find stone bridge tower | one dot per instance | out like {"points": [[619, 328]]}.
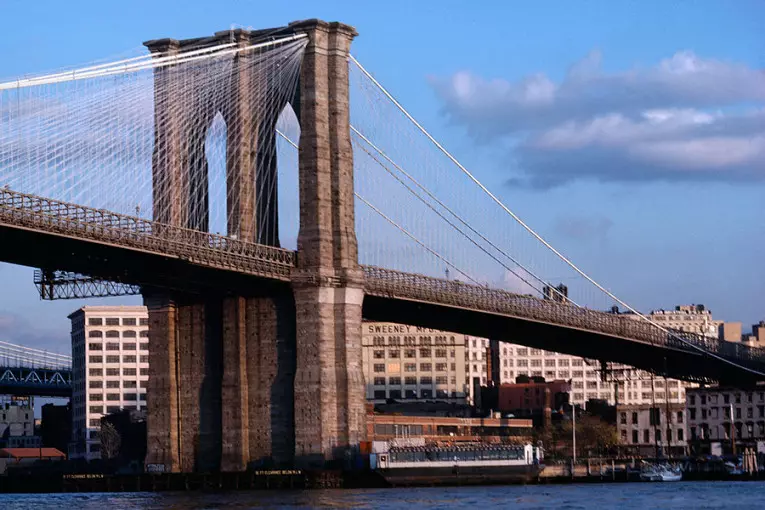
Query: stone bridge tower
{"points": [[274, 375]]}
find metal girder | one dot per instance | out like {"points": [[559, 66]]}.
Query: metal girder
{"points": [[66, 285]]}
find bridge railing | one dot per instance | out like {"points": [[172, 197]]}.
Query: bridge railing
{"points": [[104, 226], [391, 283]]}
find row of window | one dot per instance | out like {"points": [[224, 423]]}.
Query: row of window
{"points": [[98, 397], [716, 412], [412, 340], [396, 381], [116, 384], [704, 431], [99, 409], [413, 394], [726, 398], [680, 434], [425, 352], [114, 346], [412, 367], [127, 358], [115, 321], [654, 418], [113, 333], [95, 372]]}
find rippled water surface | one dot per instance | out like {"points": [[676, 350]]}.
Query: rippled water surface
{"points": [[675, 496]]}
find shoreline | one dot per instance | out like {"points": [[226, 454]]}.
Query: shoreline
{"points": [[291, 480]]}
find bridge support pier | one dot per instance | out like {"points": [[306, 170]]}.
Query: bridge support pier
{"points": [[327, 284]]}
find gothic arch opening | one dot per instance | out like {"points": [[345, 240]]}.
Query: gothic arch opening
{"points": [[287, 170], [216, 152]]}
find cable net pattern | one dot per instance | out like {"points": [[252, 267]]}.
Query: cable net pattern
{"points": [[187, 139]]}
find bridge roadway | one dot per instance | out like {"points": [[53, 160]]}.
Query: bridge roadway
{"points": [[42, 232]]}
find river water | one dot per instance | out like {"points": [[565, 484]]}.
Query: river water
{"points": [[674, 496]]}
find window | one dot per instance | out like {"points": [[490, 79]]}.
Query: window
{"points": [[112, 371], [95, 384], [440, 367], [143, 384], [95, 397], [95, 359], [624, 436], [692, 412], [94, 422], [130, 396], [592, 384], [112, 384], [440, 353], [410, 353], [726, 399], [112, 321], [536, 363], [112, 397], [563, 374], [657, 433], [410, 367], [535, 352], [562, 362], [523, 362], [112, 359], [95, 334], [426, 379], [634, 437], [144, 358], [379, 367], [577, 374], [680, 416], [738, 412], [577, 362], [95, 347], [680, 435], [523, 352], [634, 418], [143, 321], [549, 362], [128, 321], [441, 379], [426, 367], [738, 398], [112, 334], [692, 400], [96, 409], [95, 321], [379, 394], [646, 436], [379, 354], [623, 418], [394, 353], [112, 346], [128, 371], [144, 346], [379, 381], [410, 380], [96, 371], [424, 352], [144, 371], [144, 334], [395, 381], [750, 412]]}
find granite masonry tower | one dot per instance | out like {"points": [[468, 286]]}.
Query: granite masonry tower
{"points": [[263, 376]]}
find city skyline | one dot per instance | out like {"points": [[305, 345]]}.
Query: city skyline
{"points": [[670, 230]]}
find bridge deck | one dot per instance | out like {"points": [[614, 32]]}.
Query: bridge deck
{"points": [[51, 218]]}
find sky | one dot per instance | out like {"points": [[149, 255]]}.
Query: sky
{"points": [[630, 134]]}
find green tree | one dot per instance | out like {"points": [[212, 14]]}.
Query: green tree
{"points": [[593, 435]]}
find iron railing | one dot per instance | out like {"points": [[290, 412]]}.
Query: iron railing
{"points": [[203, 248], [401, 285]]}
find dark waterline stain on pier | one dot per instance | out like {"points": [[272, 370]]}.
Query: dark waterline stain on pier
{"points": [[671, 496]]}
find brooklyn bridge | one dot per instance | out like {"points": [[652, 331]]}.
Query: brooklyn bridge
{"points": [[165, 174]]}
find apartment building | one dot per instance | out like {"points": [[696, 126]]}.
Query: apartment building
{"points": [[110, 369], [412, 363], [646, 429], [715, 413]]}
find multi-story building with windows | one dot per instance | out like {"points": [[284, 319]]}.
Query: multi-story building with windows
{"points": [[710, 420], [110, 369], [412, 363], [646, 429], [634, 386]]}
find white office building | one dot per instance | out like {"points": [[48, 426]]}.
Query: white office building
{"points": [[110, 369]]}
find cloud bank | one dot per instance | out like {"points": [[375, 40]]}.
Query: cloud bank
{"points": [[686, 118]]}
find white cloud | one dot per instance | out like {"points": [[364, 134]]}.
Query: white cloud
{"points": [[684, 118]]}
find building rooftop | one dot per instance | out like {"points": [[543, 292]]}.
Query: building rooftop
{"points": [[31, 453]]}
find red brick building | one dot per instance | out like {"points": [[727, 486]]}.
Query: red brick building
{"points": [[531, 397]]}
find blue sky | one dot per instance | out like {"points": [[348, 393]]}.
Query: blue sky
{"points": [[629, 133]]}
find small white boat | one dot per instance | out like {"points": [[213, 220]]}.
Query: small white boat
{"points": [[661, 473]]}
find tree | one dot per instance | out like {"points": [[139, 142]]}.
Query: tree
{"points": [[593, 435], [110, 441]]}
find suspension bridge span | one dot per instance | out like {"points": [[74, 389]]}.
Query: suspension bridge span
{"points": [[335, 205]]}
